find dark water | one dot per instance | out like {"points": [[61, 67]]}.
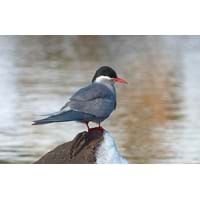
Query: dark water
{"points": [[158, 114]]}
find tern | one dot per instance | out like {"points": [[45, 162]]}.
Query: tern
{"points": [[93, 103]]}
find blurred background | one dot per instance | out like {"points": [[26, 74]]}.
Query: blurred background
{"points": [[158, 113]]}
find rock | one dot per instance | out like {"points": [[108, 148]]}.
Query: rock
{"points": [[81, 150], [97, 146]]}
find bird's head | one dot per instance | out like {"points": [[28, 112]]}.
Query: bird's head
{"points": [[107, 74]]}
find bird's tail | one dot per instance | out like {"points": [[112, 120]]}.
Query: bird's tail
{"points": [[65, 116]]}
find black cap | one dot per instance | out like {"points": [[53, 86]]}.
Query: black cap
{"points": [[105, 71]]}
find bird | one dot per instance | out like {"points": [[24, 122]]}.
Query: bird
{"points": [[93, 103]]}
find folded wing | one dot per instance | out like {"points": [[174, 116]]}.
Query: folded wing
{"points": [[95, 99]]}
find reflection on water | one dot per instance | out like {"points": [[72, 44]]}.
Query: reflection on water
{"points": [[157, 118]]}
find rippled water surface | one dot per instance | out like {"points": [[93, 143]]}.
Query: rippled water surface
{"points": [[158, 113]]}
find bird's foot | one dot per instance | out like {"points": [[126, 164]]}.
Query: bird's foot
{"points": [[100, 127], [97, 129]]}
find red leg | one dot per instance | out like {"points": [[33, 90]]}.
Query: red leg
{"points": [[87, 124], [100, 127]]}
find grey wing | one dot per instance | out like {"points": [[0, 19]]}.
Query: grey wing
{"points": [[91, 92], [96, 99], [98, 107]]}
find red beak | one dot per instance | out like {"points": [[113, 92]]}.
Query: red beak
{"points": [[119, 80]]}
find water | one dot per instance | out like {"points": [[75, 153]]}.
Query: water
{"points": [[158, 112]]}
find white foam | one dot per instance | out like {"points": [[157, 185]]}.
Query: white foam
{"points": [[108, 153]]}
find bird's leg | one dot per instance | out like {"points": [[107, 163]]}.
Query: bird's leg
{"points": [[87, 124], [100, 127]]}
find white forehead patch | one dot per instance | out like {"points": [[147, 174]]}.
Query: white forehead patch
{"points": [[102, 79]]}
